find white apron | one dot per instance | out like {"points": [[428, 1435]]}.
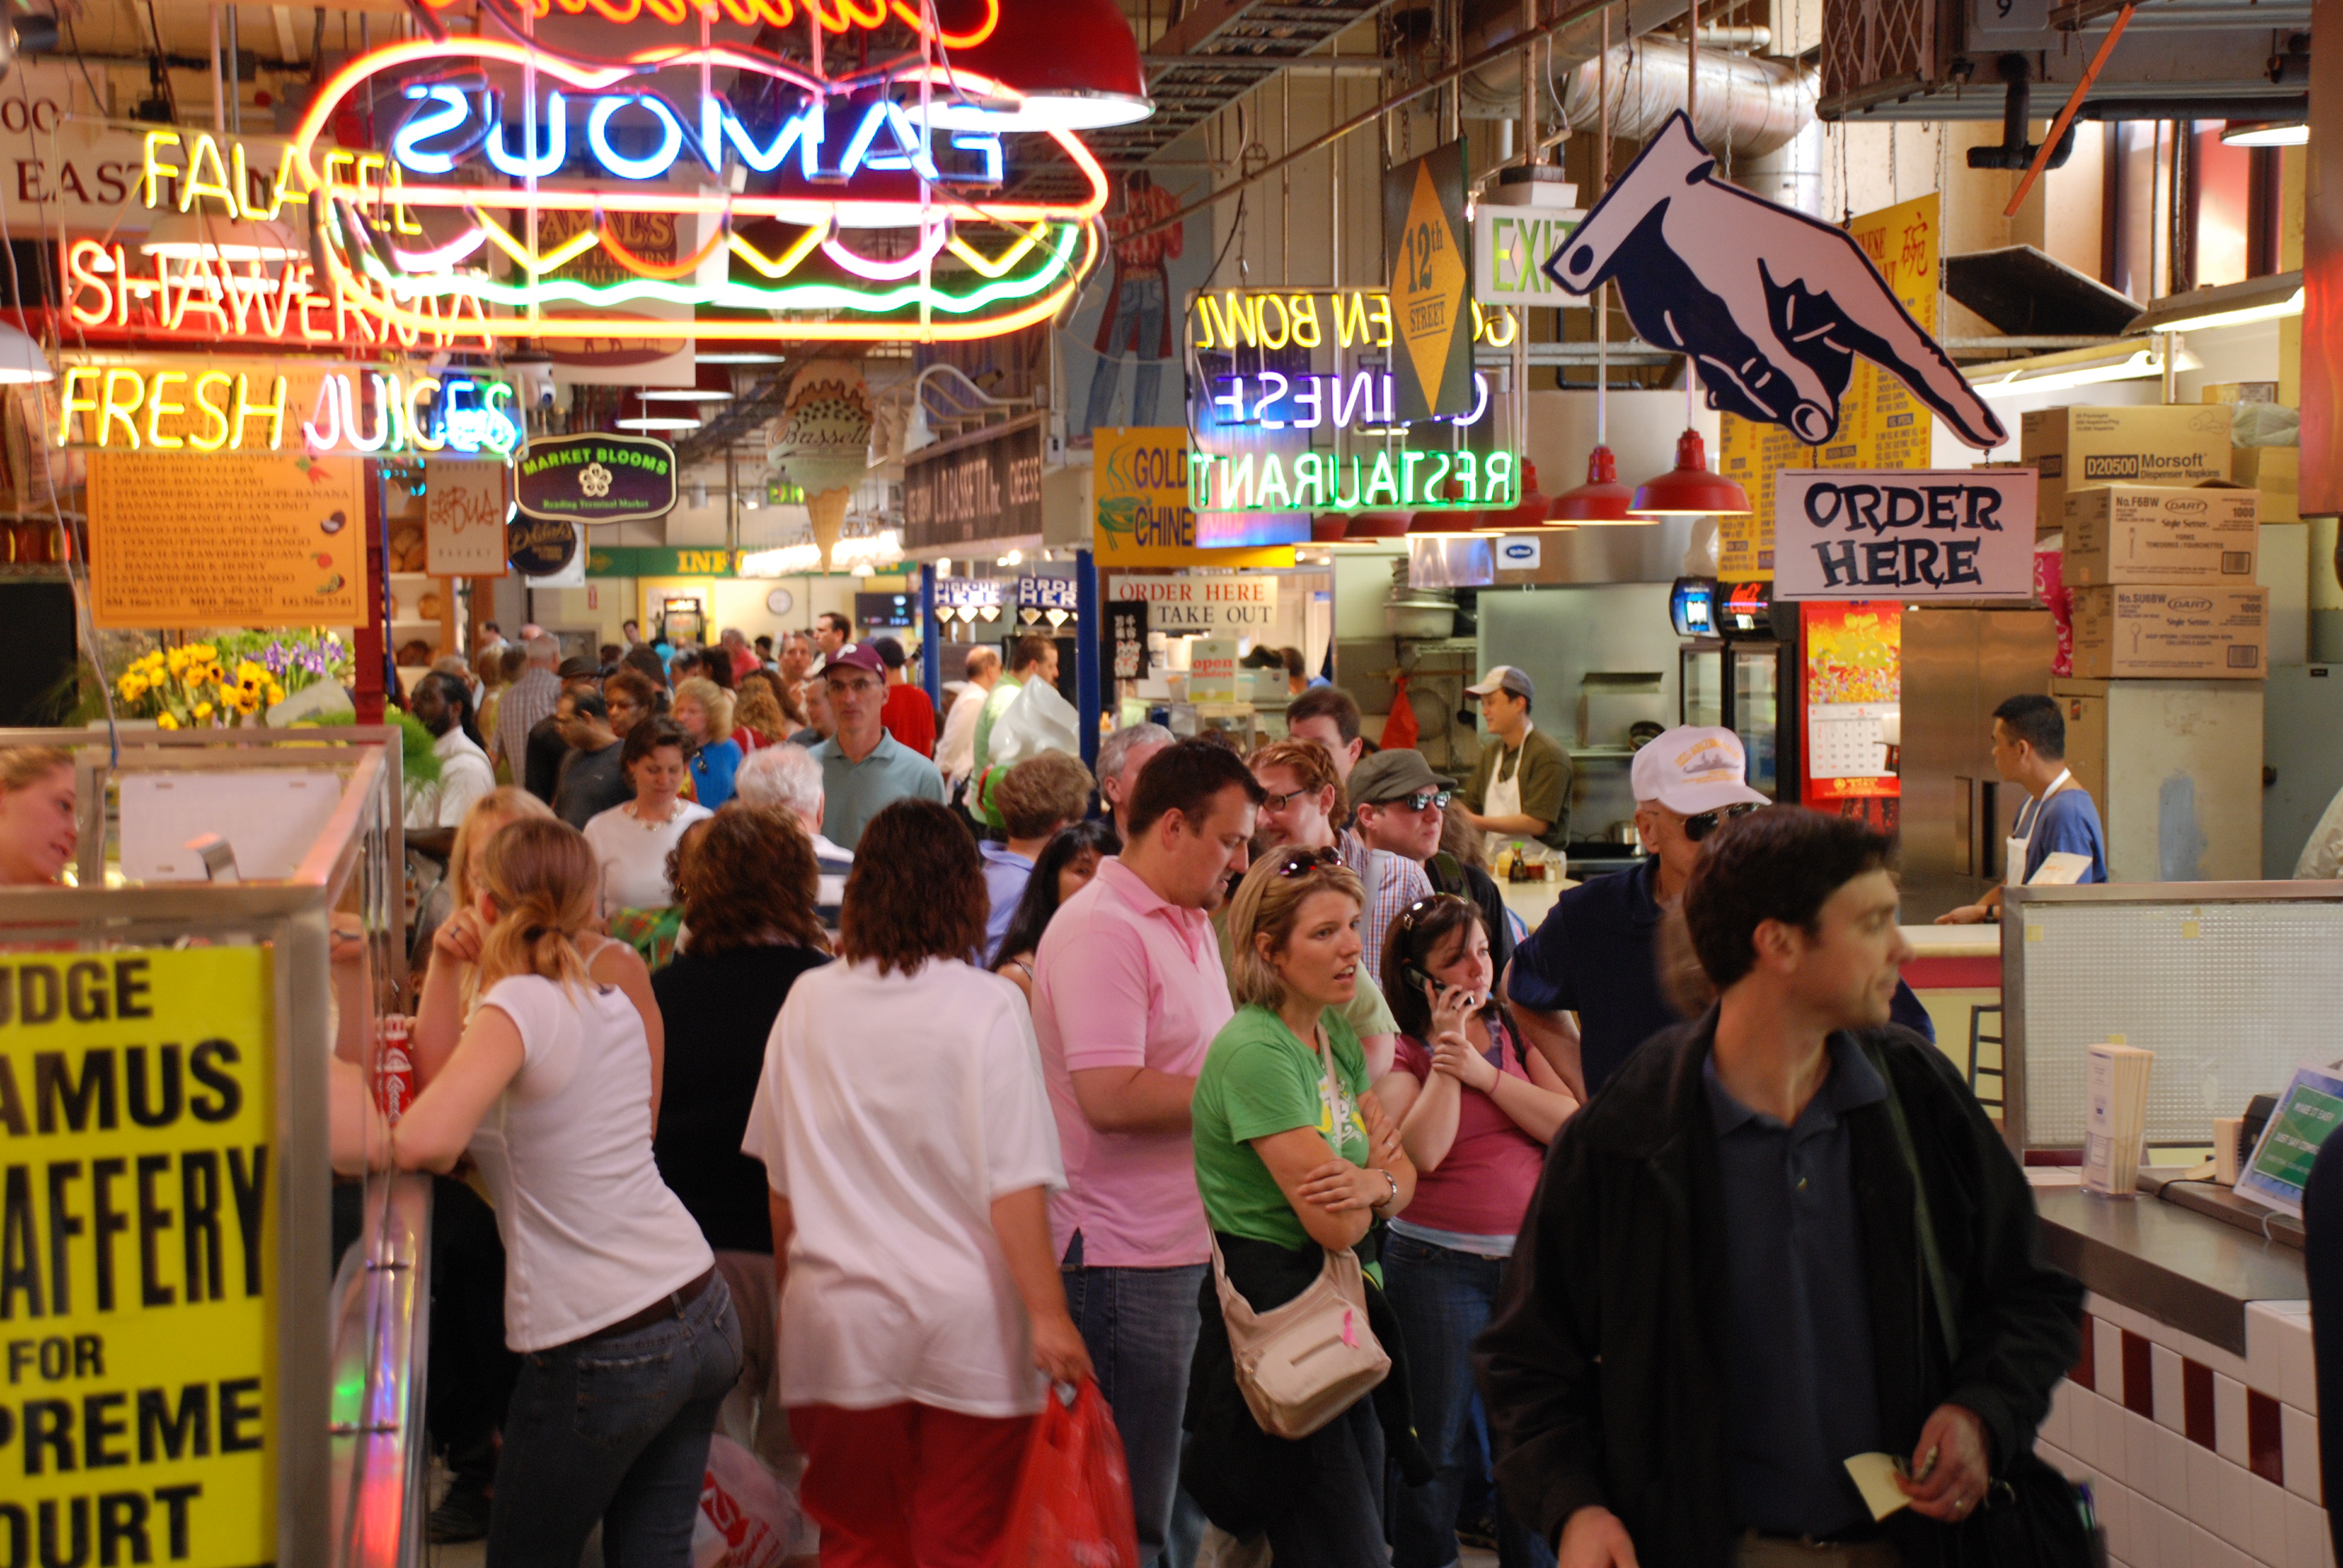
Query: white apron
{"points": [[1504, 798], [2016, 847]]}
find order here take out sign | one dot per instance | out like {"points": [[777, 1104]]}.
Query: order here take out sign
{"points": [[1904, 533], [1240, 604]]}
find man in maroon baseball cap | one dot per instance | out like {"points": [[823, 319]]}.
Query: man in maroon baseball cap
{"points": [[864, 770]]}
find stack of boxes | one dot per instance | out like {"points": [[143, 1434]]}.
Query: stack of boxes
{"points": [[2159, 552]]}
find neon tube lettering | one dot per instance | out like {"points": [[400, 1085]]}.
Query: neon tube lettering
{"points": [[454, 110], [597, 138], [556, 136]]}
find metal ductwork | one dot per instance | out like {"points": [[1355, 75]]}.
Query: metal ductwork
{"points": [[1749, 106]]}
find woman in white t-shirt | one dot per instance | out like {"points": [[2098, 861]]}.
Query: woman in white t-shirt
{"points": [[626, 1335], [909, 1143], [632, 842]]}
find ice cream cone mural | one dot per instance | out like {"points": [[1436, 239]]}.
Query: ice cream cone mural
{"points": [[825, 443]]}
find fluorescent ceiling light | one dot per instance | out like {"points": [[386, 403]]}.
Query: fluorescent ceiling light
{"points": [[192, 236], [683, 395], [657, 422], [2130, 361], [1043, 112], [740, 358], [2230, 305], [2267, 133]]}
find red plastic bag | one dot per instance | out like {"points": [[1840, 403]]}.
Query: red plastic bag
{"points": [[1399, 729], [1073, 1508]]}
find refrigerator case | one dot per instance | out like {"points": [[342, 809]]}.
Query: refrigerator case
{"points": [[2302, 742], [1957, 666], [1751, 688]]}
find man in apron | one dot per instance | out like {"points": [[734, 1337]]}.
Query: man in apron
{"points": [[2029, 750], [1520, 790]]}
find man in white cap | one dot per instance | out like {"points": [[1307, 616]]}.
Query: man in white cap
{"points": [[1586, 983], [1520, 790]]}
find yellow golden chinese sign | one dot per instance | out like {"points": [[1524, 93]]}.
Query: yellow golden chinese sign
{"points": [[138, 1264], [1881, 425]]}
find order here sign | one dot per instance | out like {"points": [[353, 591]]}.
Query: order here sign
{"points": [[1239, 604], [1904, 533], [138, 1263]]}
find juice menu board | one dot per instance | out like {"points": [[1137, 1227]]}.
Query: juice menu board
{"points": [[180, 540]]}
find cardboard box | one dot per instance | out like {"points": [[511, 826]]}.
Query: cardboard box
{"points": [[2277, 473], [2160, 534], [2155, 444], [2152, 629], [2234, 392]]}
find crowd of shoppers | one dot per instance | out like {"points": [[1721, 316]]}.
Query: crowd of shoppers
{"points": [[1079, 1098]]}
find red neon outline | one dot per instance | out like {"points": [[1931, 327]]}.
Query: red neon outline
{"points": [[773, 13]]}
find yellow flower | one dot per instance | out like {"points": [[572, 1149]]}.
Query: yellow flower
{"points": [[180, 659], [276, 694], [204, 651], [203, 710], [132, 686], [252, 677], [166, 721]]}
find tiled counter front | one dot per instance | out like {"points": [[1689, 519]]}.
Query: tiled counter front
{"points": [[2202, 1447]]}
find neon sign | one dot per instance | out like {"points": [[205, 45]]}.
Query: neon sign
{"points": [[887, 228], [1395, 480], [136, 408], [832, 15], [1279, 402], [1275, 319]]}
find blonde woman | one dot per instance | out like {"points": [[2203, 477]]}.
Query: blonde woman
{"points": [[757, 716], [705, 710], [451, 981], [626, 1335], [1296, 1157], [39, 828]]}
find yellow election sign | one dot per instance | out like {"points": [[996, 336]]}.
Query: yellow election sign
{"points": [[138, 1267], [1142, 515], [1880, 424]]}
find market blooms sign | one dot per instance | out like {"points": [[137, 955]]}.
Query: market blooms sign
{"points": [[596, 480]]}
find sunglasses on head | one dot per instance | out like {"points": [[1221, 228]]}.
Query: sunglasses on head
{"points": [[1695, 829], [1302, 862], [1423, 907]]}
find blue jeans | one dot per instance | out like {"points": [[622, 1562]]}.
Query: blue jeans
{"points": [[616, 1430], [1140, 1325], [1444, 1299]]}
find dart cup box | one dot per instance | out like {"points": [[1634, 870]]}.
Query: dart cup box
{"points": [[2167, 632], [2155, 444], [2161, 534]]}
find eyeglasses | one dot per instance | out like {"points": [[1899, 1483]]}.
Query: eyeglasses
{"points": [[1422, 800], [1699, 828], [1303, 862], [1421, 907], [1280, 802]]}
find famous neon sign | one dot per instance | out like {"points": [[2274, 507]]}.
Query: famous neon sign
{"points": [[865, 222], [1389, 479]]}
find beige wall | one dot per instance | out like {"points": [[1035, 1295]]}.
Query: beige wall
{"points": [[730, 602]]}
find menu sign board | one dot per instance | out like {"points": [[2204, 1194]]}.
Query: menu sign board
{"points": [[464, 519], [185, 540], [1909, 533], [1241, 602], [986, 486]]}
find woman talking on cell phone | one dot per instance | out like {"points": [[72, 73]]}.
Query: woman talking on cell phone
{"points": [[1475, 1112]]}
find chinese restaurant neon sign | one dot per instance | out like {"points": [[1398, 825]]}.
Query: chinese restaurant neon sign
{"points": [[857, 220], [1350, 318], [1390, 480]]}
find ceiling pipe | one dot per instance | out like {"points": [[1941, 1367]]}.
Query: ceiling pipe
{"points": [[1747, 104]]}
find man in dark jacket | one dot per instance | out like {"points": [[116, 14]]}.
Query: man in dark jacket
{"points": [[1719, 1294]]}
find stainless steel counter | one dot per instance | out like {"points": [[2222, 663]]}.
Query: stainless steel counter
{"points": [[2189, 1270]]}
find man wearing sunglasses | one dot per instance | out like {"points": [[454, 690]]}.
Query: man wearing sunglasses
{"points": [[1593, 955], [1401, 806], [1585, 984]]}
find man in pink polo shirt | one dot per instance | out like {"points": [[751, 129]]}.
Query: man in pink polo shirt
{"points": [[1127, 993]]}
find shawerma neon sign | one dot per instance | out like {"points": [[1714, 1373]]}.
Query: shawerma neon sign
{"points": [[806, 207]]}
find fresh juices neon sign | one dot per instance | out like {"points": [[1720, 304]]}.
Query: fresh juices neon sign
{"points": [[133, 409]]}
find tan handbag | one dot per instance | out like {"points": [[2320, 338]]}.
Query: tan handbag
{"points": [[1301, 1364]]}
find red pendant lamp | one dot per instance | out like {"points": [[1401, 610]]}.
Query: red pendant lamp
{"points": [[1603, 501], [1074, 65], [1530, 512], [1692, 488]]}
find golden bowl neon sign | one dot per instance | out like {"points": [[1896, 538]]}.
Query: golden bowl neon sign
{"points": [[869, 220]]}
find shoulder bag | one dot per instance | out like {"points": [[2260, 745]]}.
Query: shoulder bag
{"points": [[2031, 1516], [1301, 1364]]}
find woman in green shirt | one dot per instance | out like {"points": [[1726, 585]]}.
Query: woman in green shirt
{"points": [[1294, 1156]]}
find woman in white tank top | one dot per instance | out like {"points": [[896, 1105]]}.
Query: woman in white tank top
{"points": [[627, 1336]]}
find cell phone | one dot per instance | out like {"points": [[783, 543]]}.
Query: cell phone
{"points": [[1423, 981]]}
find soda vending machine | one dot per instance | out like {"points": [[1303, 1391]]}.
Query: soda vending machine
{"points": [[1746, 677]]}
